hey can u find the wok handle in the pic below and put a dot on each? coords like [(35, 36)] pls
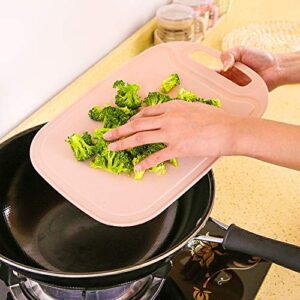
[(238, 239)]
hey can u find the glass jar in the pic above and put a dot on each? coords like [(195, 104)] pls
[(175, 22), (207, 10)]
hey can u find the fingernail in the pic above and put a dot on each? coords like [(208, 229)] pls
[(107, 135), (138, 167), (112, 146), (227, 65)]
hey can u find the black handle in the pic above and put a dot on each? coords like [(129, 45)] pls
[(286, 255)]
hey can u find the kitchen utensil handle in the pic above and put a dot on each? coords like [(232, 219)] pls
[(187, 49), (238, 239)]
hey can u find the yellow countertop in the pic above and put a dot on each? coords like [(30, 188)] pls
[(255, 195)]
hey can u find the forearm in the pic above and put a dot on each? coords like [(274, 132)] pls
[(270, 141), (288, 68)]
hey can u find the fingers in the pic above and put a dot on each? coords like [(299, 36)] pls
[(138, 139), (154, 159), (136, 125), (151, 111), (231, 56)]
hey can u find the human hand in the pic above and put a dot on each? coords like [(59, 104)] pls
[(187, 129), (264, 63)]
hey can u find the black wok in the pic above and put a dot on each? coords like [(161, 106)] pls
[(46, 238)]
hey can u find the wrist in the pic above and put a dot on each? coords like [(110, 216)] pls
[(242, 136), (288, 67)]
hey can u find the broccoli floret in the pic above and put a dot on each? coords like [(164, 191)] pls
[(128, 112), (154, 98), (98, 133), (118, 84), (99, 162), (138, 175), (159, 169), (152, 148), (214, 102), (88, 138), (114, 117), (169, 83), (110, 116), (174, 162), (141, 152), (136, 151), (101, 143), (81, 150), (127, 95), (95, 113), (186, 95), (113, 161), (122, 162), (191, 97)]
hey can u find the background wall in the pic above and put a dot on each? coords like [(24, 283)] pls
[(46, 44)]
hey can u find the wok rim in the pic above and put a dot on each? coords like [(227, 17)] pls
[(159, 258)]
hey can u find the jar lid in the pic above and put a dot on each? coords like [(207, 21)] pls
[(175, 12)]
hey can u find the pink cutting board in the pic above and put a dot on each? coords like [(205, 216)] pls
[(117, 199)]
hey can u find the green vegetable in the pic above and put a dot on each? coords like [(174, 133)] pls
[(128, 103), (95, 113), (127, 95), (169, 83), (187, 95), (112, 161), (87, 138), (214, 102), (141, 152), (159, 169), (110, 116), (174, 162), (138, 175), (155, 98), (81, 149), (191, 97)]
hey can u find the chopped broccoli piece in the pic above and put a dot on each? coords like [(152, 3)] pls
[(118, 84), (214, 102), (127, 111), (191, 97), (152, 148), (169, 83), (95, 113), (112, 161), (99, 162), (101, 143), (174, 162), (114, 117), (159, 169), (88, 138), (141, 152), (138, 175), (154, 98), (136, 151), (110, 116), (186, 95), (81, 150), (127, 95)]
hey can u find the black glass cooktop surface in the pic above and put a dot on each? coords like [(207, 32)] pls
[(210, 273)]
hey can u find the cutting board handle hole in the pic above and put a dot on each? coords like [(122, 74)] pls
[(234, 74)]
